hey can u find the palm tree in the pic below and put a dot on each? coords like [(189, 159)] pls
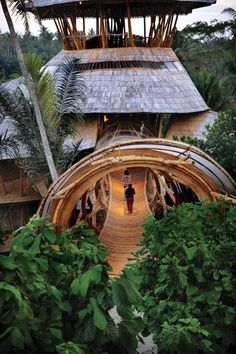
[(232, 13), (31, 88), (60, 107), (214, 90)]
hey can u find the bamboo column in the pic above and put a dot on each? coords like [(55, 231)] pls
[(3, 184), (84, 34), (160, 126), (21, 183), (73, 32), (151, 31), (131, 38), (103, 28), (144, 29), (172, 32)]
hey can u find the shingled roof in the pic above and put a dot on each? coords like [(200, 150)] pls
[(134, 80), (42, 3), (89, 8)]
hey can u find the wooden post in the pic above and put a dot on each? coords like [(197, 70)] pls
[(21, 183), (167, 30), (152, 27), (83, 204), (59, 31), (64, 32), (3, 184), (144, 29), (22, 216), (10, 221), (84, 34), (97, 25), (102, 28), (131, 38), (173, 29), (160, 126), (76, 41)]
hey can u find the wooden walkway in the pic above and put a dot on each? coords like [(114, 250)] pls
[(122, 231)]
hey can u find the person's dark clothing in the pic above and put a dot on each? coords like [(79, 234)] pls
[(129, 195)]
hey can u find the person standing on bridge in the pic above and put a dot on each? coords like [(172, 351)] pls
[(129, 196), (126, 178)]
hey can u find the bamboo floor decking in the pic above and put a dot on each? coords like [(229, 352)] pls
[(122, 231)]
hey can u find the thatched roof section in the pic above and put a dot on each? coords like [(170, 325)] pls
[(89, 8), (166, 88), (193, 125)]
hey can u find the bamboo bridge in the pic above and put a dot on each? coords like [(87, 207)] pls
[(164, 173), (122, 240)]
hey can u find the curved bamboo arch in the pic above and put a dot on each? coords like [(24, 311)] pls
[(186, 164)]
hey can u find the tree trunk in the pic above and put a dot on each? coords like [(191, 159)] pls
[(32, 92)]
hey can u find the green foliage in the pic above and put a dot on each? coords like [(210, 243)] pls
[(220, 140), (187, 265), (212, 88), (208, 53), (46, 45), (55, 294), (60, 110)]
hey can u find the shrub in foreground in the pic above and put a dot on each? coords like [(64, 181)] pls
[(187, 269), (55, 295)]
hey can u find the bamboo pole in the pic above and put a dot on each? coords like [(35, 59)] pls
[(22, 218), (152, 27), (160, 126), (21, 183), (84, 34), (10, 221), (173, 30), (219, 195), (166, 30), (168, 190), (131, 38), (144, 29), (59, 31), (3, 184), (73, 36), (102, 28), (97, 26), (64, 34)]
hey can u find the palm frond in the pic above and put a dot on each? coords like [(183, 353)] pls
[(70, 155), (59, 109), (45, 91), (8, 145), (70, 87), (18, 8), (230, 11)]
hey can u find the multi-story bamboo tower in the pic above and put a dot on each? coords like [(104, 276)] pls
[(133, 81), (129, 77)]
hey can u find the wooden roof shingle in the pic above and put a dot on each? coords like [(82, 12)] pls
[(89, 8), (135, 89)]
